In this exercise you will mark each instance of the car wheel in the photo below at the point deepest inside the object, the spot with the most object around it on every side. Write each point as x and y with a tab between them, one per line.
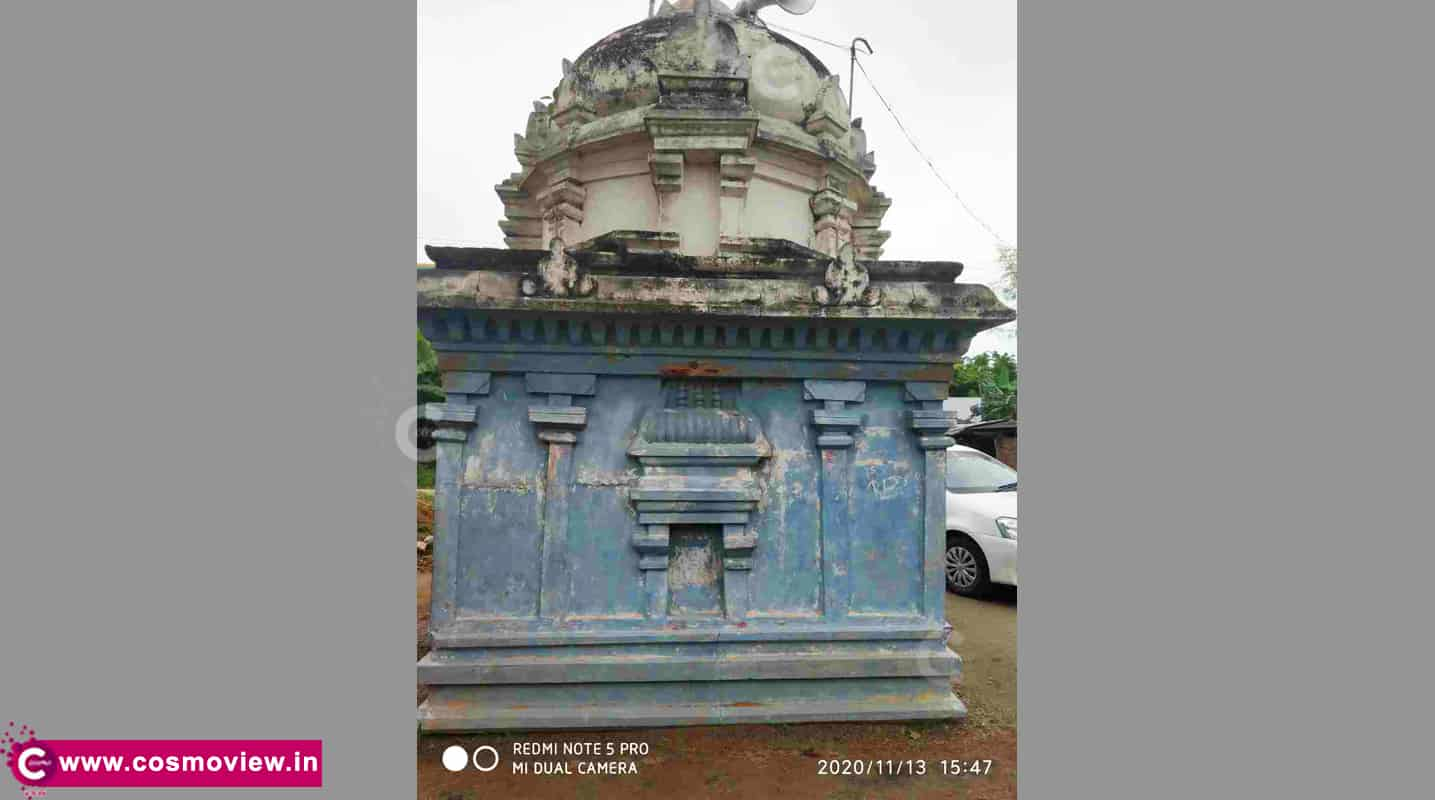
966	567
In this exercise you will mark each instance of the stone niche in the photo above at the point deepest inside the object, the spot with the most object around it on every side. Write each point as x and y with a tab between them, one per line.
695	501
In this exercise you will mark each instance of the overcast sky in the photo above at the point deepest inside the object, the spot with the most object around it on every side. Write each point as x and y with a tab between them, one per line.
948	67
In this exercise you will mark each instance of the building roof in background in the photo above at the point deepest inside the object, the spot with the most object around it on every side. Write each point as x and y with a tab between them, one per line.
993	427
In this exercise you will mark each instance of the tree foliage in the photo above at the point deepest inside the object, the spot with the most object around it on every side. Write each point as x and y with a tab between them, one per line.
429	378
430	390
993	378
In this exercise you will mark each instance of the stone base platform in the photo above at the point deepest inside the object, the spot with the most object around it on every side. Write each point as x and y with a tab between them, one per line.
633	705
696	683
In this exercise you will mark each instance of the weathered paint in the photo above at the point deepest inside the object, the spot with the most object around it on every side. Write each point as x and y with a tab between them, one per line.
555	544
786	582
690	468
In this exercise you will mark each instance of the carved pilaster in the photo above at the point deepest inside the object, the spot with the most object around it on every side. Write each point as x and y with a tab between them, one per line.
676	131
735	170
836	425
738	542
834	421
833	214
562	210
464	388
931	424
667	171
453	421
653	546
558	423
680	129
561	202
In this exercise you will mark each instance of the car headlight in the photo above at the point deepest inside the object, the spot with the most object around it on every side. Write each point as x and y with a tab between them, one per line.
1007	526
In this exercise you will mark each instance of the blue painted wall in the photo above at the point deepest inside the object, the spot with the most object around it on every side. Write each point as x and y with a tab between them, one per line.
886	491
790	577
502	490
606	580
498	546
787	563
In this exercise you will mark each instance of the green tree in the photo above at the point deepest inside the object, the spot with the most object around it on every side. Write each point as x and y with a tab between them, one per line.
430	390
993	378
430	379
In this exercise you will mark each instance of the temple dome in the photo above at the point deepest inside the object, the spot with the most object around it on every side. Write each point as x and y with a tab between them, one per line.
700	132
620	72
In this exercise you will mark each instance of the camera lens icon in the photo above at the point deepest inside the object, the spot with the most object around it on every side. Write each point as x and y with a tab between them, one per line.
456	758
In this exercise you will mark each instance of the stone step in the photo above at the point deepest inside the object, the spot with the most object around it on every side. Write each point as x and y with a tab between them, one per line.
454	709
710	663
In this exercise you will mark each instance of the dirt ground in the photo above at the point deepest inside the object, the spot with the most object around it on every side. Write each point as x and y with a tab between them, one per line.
779	760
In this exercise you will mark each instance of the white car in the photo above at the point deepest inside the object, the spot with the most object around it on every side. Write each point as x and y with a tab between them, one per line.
981	522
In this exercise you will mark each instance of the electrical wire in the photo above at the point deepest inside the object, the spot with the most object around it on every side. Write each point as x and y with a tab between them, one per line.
938	173
827	42
905	132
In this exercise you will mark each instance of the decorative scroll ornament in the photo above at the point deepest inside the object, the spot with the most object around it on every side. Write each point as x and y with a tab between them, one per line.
558	276
848	283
